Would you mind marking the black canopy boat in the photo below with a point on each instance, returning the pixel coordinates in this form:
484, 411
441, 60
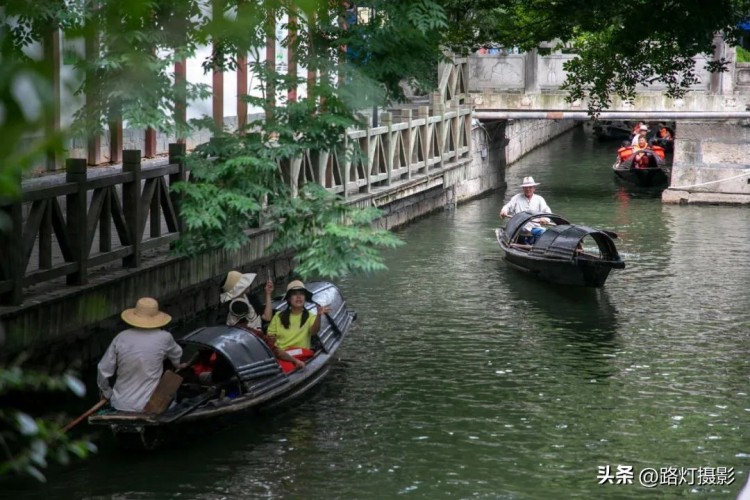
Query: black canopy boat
654, 172
567, 254
247, 378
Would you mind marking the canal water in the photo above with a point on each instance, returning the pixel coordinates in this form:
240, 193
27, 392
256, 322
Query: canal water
466, 379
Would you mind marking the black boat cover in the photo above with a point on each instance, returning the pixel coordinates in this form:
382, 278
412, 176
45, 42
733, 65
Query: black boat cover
561, 240
516, 223
251, 359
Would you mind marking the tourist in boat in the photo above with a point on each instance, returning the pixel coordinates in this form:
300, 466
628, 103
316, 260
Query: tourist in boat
136, 357
294, 327
528, 200
243, 307
664, 133
642, 159
642, 132
243, 313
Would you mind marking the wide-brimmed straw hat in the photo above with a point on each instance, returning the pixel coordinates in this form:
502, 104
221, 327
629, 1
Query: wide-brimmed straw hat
236, 284
298, 285
528, 182
145, 314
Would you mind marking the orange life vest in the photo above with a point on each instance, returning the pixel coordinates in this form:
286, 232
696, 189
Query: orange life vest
625, 153
658, 150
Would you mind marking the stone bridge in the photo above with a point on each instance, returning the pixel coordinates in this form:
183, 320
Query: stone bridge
530, 82
712, 144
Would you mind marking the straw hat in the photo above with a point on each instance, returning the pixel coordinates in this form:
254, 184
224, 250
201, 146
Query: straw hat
236, 284
528, 182
643, 127
145, 314
298, 285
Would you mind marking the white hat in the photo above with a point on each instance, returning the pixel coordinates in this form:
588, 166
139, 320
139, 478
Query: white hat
528, 182
643, 127
145, 314
298, 285
236, 284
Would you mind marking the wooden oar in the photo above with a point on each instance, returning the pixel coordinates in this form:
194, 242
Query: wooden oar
85, 415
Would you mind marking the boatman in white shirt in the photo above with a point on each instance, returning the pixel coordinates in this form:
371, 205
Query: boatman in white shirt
527, 200
136, 357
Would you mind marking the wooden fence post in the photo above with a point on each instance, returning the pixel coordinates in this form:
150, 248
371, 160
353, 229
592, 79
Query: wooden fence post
177, 156
388, 144
76, 205
131, 205
13, 255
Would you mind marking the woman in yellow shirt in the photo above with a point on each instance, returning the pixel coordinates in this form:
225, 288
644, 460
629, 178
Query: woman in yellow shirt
293, 327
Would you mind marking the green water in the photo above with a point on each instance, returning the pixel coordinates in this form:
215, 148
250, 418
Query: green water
466, 379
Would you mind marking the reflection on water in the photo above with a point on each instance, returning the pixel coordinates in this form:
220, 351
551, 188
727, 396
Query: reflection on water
464, 378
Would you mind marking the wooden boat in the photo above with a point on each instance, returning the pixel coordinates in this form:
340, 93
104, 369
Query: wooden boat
657, 172
249, 378
567, 254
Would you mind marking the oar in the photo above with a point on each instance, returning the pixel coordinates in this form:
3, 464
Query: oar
85, 415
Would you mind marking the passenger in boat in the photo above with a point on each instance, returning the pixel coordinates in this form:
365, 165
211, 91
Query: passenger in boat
136, 357
201, 367
243, 307
664, 133
642, 133
528, 200
294, 327
642, 159
243, 312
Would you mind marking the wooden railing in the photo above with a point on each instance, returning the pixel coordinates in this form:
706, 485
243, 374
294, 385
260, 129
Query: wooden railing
46, 241
54, 227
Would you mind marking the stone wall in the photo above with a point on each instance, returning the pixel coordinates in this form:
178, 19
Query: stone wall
711, 163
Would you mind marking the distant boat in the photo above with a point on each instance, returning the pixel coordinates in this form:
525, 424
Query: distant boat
567, 254
652, 171
251, 379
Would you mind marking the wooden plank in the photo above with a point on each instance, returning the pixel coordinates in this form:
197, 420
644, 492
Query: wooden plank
164, 393
149, 188
132, 206
60, 229
94, 215
110, 256
154, 212
105, 222
34, 194
118, 217
45, 239
77, 221
177, 157
170, 216
12, 255
31, 229
45, 275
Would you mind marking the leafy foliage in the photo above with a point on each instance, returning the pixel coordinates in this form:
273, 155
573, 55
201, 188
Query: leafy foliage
620, 44
27, 443
328, 237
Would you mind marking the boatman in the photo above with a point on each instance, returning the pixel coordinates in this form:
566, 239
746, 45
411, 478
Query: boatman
527, 200
136, 357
